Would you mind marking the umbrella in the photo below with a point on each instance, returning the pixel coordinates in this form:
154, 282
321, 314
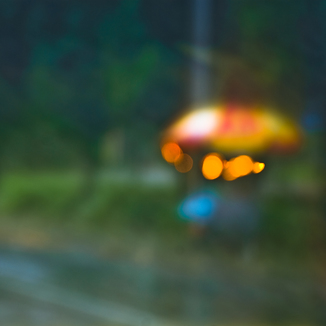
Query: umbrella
235, 129
229, 130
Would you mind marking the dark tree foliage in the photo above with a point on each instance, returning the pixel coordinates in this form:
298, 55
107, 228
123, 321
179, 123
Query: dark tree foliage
82, 67
313, 34
31, 35
173, 21
15, 49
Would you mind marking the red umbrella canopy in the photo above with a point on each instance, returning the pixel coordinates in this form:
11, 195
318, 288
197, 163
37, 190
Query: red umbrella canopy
235, 129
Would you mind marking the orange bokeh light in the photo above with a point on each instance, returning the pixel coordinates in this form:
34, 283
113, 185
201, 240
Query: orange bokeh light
228, 176
184, 163
171, 152
241, 165
258, 167
212, 166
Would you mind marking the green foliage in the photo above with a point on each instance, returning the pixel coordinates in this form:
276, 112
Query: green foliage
122, 29
48, 89
42, 193
57, 197
126, 80
42, 148
259, 19
269, 44
287, 225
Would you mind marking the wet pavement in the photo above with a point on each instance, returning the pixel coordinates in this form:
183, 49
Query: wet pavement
74, 288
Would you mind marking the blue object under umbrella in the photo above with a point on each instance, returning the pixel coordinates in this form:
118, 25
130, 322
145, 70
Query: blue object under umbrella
199, 207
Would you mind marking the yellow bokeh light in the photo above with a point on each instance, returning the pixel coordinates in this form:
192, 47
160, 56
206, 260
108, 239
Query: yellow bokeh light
171, 152
258, 167
212, 166
240, 166
184, 163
